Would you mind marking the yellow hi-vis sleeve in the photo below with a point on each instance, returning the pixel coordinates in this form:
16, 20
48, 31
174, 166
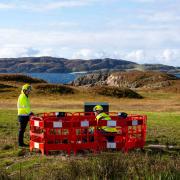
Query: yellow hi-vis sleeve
104, 116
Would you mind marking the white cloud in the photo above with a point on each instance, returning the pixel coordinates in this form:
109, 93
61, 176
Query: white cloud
137, 56
171, 56
13, 51
55, 5
83, 54
46, 5
6, 6
114, 44
162, 17
160, 56
141, 56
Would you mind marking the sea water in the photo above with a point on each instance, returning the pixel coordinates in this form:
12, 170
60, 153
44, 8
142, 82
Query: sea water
57, 78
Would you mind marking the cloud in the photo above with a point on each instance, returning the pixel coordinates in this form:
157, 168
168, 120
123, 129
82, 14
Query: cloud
115, 44
56, 5
143, 34
161, 56
141, 56
6, 6
162, 17
83, 54
46, 5
13, 51
171, 56
137, 56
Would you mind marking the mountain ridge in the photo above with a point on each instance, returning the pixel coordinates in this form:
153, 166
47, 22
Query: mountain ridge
47, 64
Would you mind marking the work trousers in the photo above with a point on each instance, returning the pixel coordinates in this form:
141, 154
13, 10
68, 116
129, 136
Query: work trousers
23, 121
109, 135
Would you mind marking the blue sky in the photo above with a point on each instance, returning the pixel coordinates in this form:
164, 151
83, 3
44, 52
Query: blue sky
143, 31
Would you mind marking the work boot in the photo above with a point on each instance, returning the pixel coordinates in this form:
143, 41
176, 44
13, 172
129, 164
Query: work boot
23, 145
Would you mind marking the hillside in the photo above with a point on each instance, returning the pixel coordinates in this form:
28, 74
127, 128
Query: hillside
61, 65
11, 84
19, 78
132, 79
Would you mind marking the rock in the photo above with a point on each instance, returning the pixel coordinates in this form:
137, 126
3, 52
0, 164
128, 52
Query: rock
132, 79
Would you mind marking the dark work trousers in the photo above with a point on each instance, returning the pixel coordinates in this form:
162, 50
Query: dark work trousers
23, 121
109, 136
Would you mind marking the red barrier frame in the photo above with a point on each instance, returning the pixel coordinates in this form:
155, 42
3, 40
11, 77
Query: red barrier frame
70, 133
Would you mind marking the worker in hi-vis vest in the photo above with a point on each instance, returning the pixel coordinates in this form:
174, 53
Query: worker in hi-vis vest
100, 115
24, 112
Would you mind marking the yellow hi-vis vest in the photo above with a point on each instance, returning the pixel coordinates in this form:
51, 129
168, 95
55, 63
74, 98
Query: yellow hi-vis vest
23, 105
104, 116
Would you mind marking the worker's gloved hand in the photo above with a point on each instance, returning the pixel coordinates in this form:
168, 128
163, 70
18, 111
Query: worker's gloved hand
122, 114
31, 114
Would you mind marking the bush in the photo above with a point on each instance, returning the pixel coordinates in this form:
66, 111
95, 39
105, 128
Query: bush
53, 88
7, 147
116, 92
20, 78
3, 86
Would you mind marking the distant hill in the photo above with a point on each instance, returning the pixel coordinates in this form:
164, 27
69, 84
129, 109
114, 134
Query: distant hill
61, 65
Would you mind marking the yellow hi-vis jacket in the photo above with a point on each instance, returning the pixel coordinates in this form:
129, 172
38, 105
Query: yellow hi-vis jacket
104, 116
23, 105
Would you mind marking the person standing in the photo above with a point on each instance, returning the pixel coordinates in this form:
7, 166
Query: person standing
24, 112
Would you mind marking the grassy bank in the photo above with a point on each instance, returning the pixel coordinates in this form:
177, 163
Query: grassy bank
163, 128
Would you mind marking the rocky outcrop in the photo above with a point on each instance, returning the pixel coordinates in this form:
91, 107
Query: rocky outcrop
132, 79
94, 79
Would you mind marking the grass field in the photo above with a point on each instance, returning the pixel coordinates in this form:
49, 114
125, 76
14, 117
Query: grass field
162, 109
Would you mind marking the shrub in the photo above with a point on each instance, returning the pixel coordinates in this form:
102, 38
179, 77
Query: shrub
116, 92
3, 86
20, 78
53, 88
7, 147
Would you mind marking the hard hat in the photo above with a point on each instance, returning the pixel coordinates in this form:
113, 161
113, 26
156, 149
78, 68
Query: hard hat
26, 87
98, 108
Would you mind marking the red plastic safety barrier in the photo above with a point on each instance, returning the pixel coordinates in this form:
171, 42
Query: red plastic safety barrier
135, 132
81, 131
50, 132
117, 139
84, 132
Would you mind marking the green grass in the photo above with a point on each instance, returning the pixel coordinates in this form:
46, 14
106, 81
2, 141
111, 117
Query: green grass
162, 128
